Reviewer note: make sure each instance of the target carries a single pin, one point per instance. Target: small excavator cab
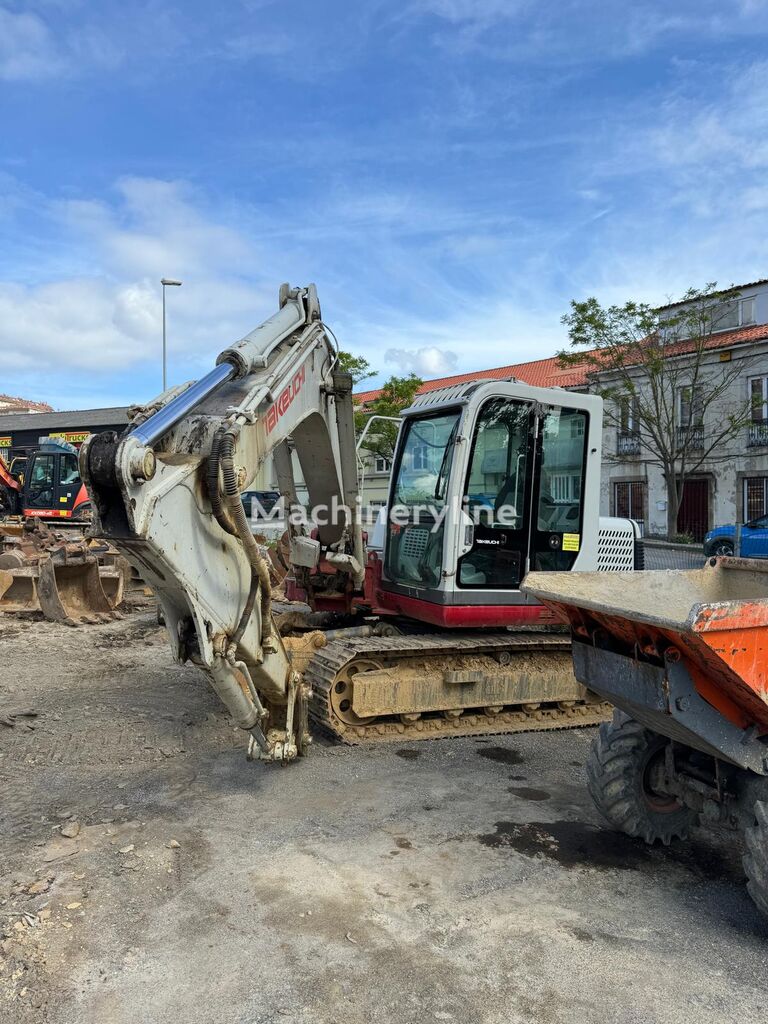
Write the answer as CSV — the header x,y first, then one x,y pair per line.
x,y
489,483
53,488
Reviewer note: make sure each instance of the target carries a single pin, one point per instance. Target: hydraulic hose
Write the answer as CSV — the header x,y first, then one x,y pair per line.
x,y
253,590
234,507
212,478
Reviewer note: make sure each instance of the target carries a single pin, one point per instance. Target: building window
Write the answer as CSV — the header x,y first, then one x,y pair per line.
x,y
758,428
755,497
734,313
629,414
629,500
758,390
565,488
690,417
629,425
690,406
578,426
421,456
381,465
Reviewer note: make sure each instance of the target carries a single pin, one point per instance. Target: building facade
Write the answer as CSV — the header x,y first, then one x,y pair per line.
x,y
730,486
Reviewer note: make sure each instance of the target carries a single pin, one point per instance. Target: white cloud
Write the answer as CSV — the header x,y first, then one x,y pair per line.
x,y
424,362
27,48
105,321
70,324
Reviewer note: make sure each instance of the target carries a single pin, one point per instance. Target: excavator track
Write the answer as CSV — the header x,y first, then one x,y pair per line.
x,y
380,688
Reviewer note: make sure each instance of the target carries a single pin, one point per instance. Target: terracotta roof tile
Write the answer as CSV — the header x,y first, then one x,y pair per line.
x,y
538,372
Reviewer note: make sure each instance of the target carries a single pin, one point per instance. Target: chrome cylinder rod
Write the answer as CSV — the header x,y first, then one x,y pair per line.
x,y
151,430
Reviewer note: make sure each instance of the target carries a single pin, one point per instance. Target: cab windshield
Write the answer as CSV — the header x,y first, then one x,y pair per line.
x,y
425,460
417,525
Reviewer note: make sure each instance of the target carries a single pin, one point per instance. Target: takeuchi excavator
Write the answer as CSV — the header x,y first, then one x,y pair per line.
x,y
427,635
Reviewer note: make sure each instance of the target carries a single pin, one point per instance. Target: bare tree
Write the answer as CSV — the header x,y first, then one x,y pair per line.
x,y
673,403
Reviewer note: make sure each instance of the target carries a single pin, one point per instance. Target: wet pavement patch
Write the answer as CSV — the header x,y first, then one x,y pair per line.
x,y
408,754
528,793
501,754
569,843
706,862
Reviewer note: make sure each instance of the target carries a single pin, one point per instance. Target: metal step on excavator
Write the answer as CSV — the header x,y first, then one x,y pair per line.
x,y
683,657
66,578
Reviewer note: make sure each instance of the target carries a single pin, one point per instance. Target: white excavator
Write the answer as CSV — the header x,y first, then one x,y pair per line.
x,y
426,636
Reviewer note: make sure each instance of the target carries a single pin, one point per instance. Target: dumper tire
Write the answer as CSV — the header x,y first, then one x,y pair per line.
x,y
756,857
617,778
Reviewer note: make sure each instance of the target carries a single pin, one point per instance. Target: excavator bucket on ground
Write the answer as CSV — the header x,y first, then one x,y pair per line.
x,y
72,592
18,590
41,570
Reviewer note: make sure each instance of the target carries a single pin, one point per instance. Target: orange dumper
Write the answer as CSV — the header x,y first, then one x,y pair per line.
x,y
683,657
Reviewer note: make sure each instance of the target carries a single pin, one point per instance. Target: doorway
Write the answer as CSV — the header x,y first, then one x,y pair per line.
x,y
693,516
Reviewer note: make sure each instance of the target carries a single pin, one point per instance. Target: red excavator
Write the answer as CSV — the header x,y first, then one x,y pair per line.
x,y
47,485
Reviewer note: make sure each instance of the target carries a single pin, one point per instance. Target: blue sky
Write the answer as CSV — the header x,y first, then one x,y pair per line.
x,y
449,172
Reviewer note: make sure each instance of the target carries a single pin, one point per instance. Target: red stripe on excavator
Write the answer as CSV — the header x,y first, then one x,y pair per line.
x,y
464,616
48,513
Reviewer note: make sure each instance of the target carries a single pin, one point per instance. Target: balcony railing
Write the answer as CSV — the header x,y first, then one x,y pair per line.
x,y
758,433
690,437
628,444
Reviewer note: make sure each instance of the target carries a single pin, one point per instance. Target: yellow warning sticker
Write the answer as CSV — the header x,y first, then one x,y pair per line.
x,y
571,541
62,499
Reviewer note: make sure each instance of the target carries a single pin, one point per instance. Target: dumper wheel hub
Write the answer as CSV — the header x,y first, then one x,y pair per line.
x,y
656,799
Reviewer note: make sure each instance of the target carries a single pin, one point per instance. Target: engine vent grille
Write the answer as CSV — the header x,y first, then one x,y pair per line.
x,y
616,546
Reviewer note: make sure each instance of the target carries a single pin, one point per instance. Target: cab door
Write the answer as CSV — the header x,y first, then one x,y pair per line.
x,y
499,490
524,492
558,503
67,483
52,484
40,484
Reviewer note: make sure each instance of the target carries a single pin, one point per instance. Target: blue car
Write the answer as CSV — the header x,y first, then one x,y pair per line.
x,y
754,539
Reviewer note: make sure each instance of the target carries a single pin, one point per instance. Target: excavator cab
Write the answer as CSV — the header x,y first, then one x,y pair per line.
x,y
491,479
52,486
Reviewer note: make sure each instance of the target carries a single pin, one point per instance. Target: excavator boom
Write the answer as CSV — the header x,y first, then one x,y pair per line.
x,y
167,494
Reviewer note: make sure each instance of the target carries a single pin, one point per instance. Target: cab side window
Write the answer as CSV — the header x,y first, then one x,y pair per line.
x,y
69,472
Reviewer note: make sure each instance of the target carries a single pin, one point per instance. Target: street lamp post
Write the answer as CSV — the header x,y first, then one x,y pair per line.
x,y
165,282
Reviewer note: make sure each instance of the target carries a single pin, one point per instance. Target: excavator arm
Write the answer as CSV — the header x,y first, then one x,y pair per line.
x,y
167,492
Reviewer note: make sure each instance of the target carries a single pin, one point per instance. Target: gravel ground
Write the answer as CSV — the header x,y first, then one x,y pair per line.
x,y
164,878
